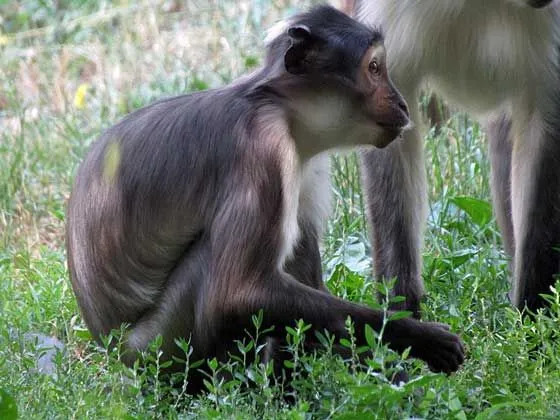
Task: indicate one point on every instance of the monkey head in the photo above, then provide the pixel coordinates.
(336, 79)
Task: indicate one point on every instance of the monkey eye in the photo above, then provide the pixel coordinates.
(374, 67)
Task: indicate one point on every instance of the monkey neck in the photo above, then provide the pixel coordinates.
(317, 117)
(317, 122)
(311, 140)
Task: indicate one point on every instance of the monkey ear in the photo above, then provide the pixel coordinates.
(302, 42)
(299, 33)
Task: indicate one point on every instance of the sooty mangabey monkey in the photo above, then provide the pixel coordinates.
(193, 213)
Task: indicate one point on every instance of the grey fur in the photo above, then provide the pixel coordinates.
(500, 145)
(486, 56)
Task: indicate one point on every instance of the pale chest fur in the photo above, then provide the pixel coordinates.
(306, 199)
(305, 183)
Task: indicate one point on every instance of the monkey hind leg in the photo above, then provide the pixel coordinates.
(500, 148)
(173, 315)
(305, 263)
(395, 186)
(536, 211)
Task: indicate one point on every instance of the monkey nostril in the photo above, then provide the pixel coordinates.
(404, 108)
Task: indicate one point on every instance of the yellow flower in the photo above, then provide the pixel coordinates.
(4, 39)
(80, 96)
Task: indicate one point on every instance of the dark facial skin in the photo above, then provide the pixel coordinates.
(537, 4)
(189, 216)
(385, 105)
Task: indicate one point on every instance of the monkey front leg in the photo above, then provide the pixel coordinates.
(395, 187)
(305, 263)
(246, 277)
(284, 300)
(536, 206)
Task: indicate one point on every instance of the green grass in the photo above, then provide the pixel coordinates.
(125, 55)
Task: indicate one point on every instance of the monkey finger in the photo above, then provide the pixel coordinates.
(446, 362)
(454, 355)
(456, 348)
(440, 364)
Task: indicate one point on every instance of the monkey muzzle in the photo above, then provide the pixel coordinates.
(537, 4)
(393, 122)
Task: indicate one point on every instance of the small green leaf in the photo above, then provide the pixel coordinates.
(370, 336)
(397, 299)
(8, 407)
(405, 353)
(400, 315)
(166, 364)
(479, 211)
(455, 404)
(346, 343)
(461, 415)
(213, 364)
(82, 333)
(302, 326)
(289, 364)
(257, 319)
(196, 364)
(291, 331)
(458, 258)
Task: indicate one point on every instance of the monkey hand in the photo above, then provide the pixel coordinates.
(431, 342)
(441, 349)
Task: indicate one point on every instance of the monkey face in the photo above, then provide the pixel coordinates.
(340, 86)
(336, 79)
(382, 104)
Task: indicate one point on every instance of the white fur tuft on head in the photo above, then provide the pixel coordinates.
(276, 30)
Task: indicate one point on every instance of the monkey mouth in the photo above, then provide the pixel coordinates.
(392, 128)
(396, 123)
(389, 126)
(389, 133)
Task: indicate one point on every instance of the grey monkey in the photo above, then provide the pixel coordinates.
(195, 212)
(497, 59)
